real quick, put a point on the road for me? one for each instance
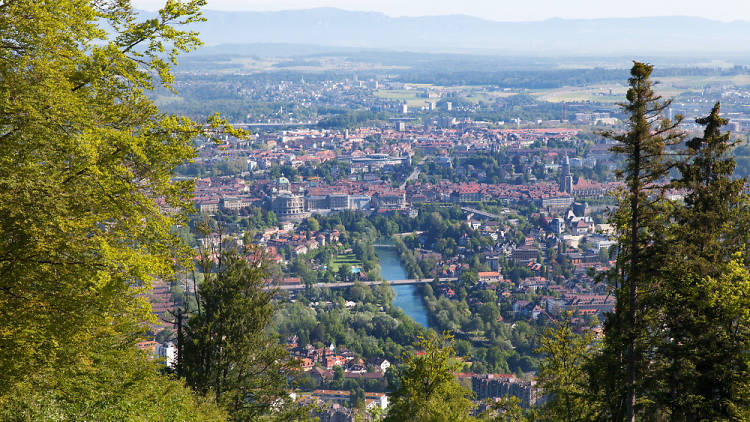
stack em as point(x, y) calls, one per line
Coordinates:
point(369, 283)
point(414, 174)
point(482, 213)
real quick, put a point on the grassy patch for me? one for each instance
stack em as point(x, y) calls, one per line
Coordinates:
point(346, 259)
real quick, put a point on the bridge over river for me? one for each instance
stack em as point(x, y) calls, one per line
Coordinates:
point(369, 283)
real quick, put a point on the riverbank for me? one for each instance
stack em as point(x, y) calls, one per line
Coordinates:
point(407, 259)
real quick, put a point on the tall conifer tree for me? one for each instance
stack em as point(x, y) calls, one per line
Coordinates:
point(639, 222)
point(703, 368)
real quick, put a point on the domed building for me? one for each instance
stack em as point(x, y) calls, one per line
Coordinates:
point(283, 185)
point(289, 207)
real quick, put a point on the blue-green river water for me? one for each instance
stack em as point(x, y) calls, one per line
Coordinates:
point(407, 296)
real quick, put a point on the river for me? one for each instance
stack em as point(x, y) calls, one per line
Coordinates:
point(407, 296)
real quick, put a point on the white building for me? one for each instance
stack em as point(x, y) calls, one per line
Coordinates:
point(168, 351)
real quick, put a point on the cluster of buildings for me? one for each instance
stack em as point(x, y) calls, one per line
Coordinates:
point(297, 243)
point(336, 405)
point(296, 207)
point(294, 201)
point(367, 158)
point(305, 171)
point(496, 386)
point(332, 171)
point(327, 358)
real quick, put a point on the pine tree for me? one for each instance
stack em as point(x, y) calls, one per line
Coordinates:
point(703, 342)
point(639, 221)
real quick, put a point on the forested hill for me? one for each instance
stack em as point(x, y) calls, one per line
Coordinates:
point(456, 33)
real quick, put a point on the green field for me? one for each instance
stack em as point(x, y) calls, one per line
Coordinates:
point(410, 96)
point(596, 93)
point(668, 87)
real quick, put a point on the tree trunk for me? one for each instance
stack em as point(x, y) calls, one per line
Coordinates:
point(633, 287)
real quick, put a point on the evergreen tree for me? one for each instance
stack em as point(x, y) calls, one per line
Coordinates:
point(640, 221)
point(228, 349)
point(428, 389)
point(703, 342)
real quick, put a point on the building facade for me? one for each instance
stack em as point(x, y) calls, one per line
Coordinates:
point(290, 207)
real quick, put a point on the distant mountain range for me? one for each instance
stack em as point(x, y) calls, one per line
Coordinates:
point(329, 27)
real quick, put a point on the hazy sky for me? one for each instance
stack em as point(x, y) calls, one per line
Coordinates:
point(503, 10)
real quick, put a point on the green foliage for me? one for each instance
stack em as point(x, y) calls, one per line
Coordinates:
point(562, 377)
point(703, 366)
point(228, 350)
point(640, 222)
point(85, 160)
point(229, 167)
point(357, 398)
point(676, 346)
point(115, 383)
point(364, 329)
point(351, 119)
point(311, 224)
point(508, 409)
point(428, 389)
point(257, 218)
point(408, 260)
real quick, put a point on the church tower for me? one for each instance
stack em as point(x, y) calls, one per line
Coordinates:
point(566, 179)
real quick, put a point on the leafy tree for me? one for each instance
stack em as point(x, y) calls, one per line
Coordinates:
point(338, 377)
point(428, 389)
point(359, 292)
point(639, 221)
point(228, 350)
point(117, 383)
point(230, 167)
point(562, 376)
point(508, 409)
point(357, 397)
point(345, 272)
point(469, 278)
point(85, 161)
point(312, 224)
point(463, 347)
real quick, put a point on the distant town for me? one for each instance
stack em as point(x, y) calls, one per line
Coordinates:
point(497, 228)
